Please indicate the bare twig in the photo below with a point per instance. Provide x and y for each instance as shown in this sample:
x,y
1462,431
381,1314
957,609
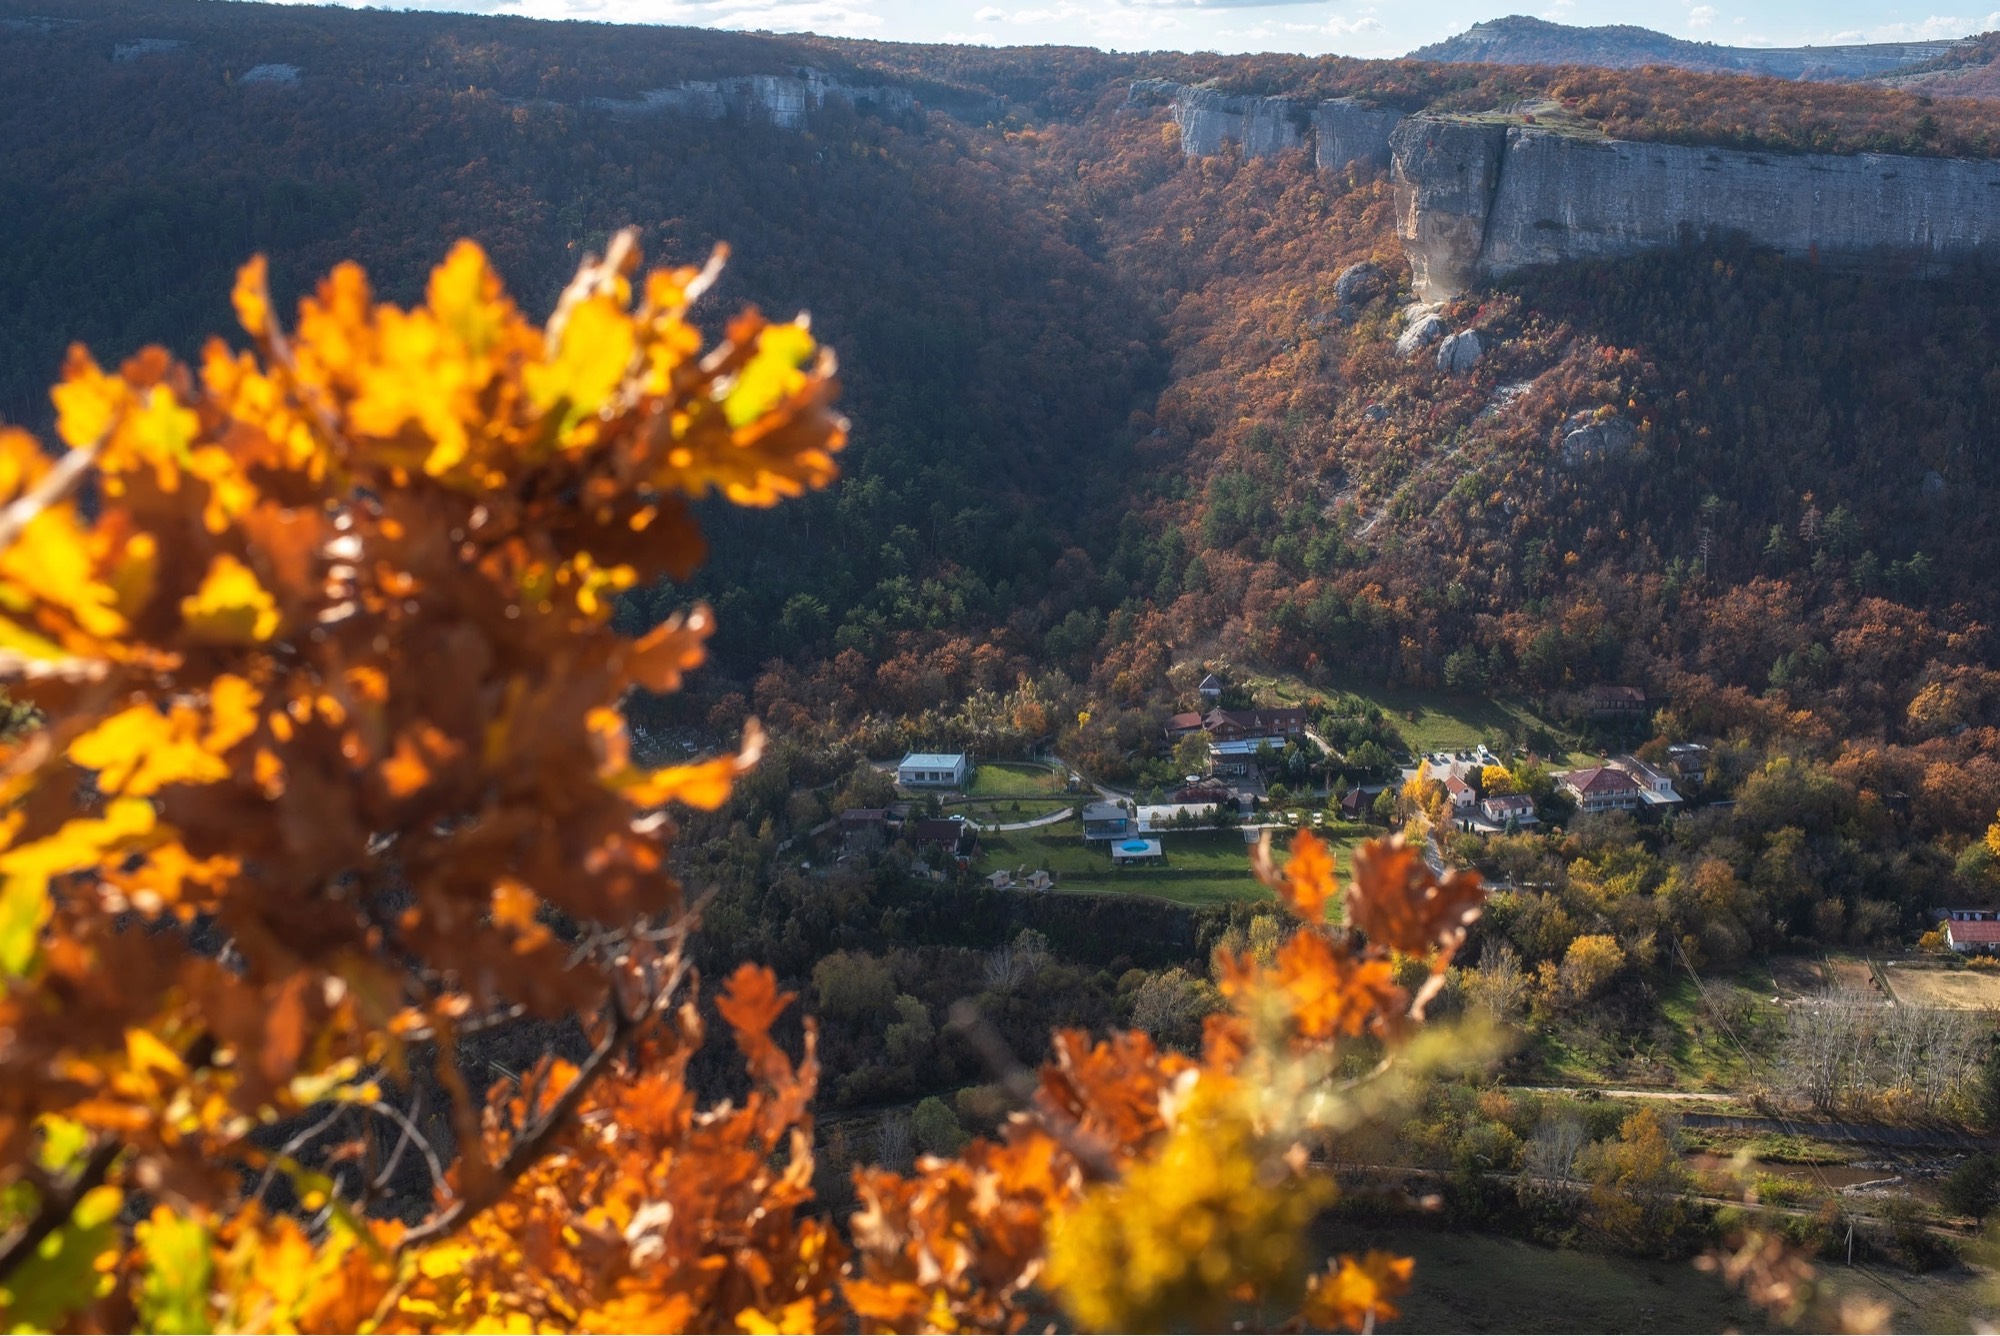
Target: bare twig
x,y
625,1023
1021,1085
55,485
411,1136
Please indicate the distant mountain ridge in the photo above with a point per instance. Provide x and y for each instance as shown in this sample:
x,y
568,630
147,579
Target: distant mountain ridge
x,y
1520,40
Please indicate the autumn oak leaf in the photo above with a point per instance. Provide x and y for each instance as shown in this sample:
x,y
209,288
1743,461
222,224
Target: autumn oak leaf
x,y
1397,902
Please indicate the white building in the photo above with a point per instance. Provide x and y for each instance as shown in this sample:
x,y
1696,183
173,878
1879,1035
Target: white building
x,y
932,770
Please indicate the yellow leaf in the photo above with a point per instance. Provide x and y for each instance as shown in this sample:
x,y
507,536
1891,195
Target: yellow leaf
x,y
230,608
139,751
705,784
771,375
252,297
232,704
146,1053
88,402
50,562
597,346
466,297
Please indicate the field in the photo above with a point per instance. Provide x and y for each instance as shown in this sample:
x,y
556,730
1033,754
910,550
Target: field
x,y
1014,779
1203,867
1441,721
1478,1283
1957,990
991,811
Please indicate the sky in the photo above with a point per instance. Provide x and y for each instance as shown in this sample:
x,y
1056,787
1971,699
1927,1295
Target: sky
x,y
1314,27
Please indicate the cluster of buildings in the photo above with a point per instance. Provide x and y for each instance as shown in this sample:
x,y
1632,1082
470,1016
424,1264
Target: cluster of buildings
x,y
1628,784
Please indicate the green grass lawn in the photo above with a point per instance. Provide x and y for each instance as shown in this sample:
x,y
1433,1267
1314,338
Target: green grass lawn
x,y
1443,721
1221,858
991,810
1014,779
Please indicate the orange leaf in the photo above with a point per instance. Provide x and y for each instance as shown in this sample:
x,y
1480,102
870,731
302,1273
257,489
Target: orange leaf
x,y
1307,882
1398,903
751,1002
1357,1295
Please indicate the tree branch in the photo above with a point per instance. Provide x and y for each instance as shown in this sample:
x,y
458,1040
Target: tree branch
x,y
56,1208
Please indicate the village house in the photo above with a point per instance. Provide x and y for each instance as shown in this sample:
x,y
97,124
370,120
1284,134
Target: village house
x,y
1517,808
1181,725
1462,795
1656,787
932,770
1210,689
957,837
1616,701
1689,761
1972,932
1212,791
1279,724
1106,821
1602,788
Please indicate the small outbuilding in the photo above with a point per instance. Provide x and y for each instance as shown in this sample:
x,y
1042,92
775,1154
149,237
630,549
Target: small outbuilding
x,y
932,770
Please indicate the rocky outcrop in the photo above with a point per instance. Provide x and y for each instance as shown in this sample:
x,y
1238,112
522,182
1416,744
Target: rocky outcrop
x,y
1475,200
1459,353
1586,436
1264,126
1358,283
1446,173
1421,326
782,100
1345,131
1341,130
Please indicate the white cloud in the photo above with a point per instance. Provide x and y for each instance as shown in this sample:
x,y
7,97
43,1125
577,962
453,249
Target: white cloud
x,y
1936,28
989,14
1702,15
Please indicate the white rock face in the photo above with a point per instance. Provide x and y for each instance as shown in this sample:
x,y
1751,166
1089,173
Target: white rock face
x,y
1345,132
783,100
1477,200
1585,438
270,74
1459,353
1424,329
1264,126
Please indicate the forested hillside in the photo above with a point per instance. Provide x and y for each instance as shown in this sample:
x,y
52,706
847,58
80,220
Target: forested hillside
x,y
1110,412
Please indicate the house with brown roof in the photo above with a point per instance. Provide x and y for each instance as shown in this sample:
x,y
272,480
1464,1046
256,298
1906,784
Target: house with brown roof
x,y
958,838
1610,700
1463,797
1517,808
1279,724
1602,788
1181,725
1973,935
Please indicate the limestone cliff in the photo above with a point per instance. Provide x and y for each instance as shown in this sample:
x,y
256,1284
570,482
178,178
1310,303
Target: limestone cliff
x,y
1341,130
1446,173
782,100
1476,200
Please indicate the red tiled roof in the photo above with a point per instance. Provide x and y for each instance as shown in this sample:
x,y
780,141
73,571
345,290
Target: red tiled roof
x,y
1511,802
1984,932
1185,722
1453,784
1600,779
